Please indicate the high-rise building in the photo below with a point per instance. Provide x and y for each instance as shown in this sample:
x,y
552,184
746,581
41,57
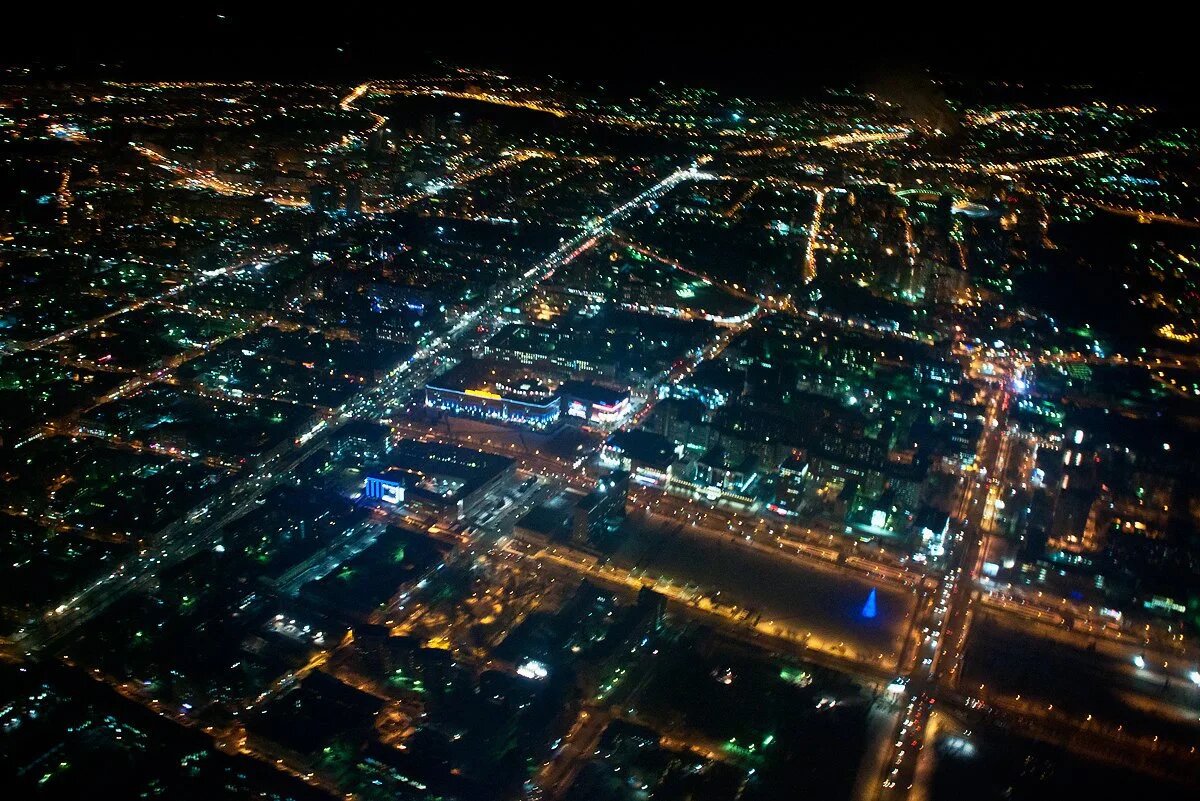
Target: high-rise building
x,y
354,198
324,197
599,514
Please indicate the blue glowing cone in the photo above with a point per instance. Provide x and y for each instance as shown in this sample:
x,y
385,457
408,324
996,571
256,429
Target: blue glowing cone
x,y
868,610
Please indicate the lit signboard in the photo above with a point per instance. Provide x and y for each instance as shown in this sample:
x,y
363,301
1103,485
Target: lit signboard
x,y
383,489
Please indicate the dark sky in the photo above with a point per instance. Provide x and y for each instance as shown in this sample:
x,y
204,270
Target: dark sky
x,y
733,45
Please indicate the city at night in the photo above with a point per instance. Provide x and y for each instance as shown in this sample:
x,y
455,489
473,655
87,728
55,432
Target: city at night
x,y
708,411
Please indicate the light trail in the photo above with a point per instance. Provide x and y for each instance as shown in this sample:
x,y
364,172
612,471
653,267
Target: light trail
x,y
814,228
347,104
863,138
484,97
193,175
199,279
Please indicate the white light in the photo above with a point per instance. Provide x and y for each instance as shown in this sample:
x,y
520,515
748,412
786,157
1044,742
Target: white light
x,y
1195,677
533,669
393,493
1139,662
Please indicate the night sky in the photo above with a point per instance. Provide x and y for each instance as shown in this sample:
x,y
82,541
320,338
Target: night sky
x,y
793,50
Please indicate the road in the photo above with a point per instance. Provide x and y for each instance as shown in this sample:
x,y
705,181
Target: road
x,y
933,655
696,602
259,261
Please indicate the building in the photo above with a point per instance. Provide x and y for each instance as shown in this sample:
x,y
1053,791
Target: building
x,y
546,347
599,514
445,480
649,457
354,197
387,488
790,484
682,420
716,475
324,197
361,442
588,402
495,392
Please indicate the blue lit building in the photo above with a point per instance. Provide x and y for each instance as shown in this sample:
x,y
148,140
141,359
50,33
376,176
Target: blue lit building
x,y
384,488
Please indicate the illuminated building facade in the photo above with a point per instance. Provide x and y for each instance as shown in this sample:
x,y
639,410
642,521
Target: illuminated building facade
x,y
647,456
383,488
489,405
487,391
592,403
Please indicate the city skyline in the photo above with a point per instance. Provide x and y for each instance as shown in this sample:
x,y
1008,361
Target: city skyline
x,y
395,411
